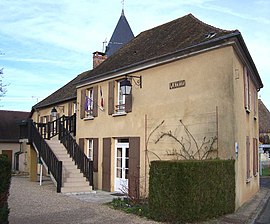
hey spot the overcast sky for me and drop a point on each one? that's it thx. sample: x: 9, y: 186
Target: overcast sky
x: 46, y: 43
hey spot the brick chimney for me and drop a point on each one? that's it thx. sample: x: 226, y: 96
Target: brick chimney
x: 98, y: 58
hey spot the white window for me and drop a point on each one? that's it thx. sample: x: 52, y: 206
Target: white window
x: 74, y: 108
x: 89, y: 102
x: 89, y: 150
x: 121, y: 99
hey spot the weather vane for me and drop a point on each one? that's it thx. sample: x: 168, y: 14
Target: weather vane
x: 123, y: 4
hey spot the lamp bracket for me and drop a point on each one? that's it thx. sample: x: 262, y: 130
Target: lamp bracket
x: 136, y: 79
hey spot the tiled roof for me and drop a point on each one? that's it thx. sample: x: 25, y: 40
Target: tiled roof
x: 65, y: 93
x: 122, y: 34
x: 9, y: 125
x: 175, y: 36
x: 180, y: 36
x: 264, y: 118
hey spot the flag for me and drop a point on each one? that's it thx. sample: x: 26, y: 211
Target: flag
x: 87, y: 103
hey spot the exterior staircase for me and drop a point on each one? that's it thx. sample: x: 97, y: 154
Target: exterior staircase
x: 73, y: 179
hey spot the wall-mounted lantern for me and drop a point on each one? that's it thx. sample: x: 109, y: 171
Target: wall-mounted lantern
x: 54, y: 112
x: 125, y: 85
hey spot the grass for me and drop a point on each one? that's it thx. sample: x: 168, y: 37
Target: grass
x: 139, y: 208
x: 266, y: 171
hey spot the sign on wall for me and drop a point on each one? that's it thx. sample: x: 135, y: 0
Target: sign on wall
x: 177, y: 84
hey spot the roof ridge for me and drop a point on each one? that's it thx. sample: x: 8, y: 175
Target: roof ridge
x: 206, y: 24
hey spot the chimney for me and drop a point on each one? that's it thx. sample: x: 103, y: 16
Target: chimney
x: 98, y: 58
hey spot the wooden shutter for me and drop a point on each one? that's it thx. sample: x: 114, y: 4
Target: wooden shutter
x: 81, y: 144
x: 106, y: 165
x: 255, y: 156
x: 248, y: 157
x: 245, y: 88
x: 255, y: 102
x: 134, y: 167
x: 95, y: 101
x: 82, y: 112
x: 95, y: 154
x: 111, y: 98
x: 128, y: 103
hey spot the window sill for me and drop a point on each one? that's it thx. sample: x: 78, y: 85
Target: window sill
x: 119, y: 114
x: 256, y: 174
x: 248, y: 180
x: 247, y: 110
x: 88, y: 118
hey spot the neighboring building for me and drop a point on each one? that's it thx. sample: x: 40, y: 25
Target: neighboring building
x: 194, y: 94
x: 9, y: 138
x: 264, y: 123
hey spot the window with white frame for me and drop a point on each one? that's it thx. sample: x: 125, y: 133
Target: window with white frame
x: 89, y: 102
x: 74, y: 107
x: 121, y: 99
x: 89, y: 149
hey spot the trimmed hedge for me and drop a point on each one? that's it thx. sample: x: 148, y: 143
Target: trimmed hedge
x: 5, y: 178
x: 189, y: 191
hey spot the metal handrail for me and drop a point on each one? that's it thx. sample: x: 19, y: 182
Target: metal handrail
x: 81, y: 160
x: 45, y: 152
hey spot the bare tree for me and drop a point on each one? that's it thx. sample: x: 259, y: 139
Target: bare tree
x: 3, y: 89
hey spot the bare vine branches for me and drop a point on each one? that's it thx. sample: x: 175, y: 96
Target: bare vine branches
x: 186, y: 151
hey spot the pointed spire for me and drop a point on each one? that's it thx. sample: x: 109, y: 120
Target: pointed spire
x: 121, y: 35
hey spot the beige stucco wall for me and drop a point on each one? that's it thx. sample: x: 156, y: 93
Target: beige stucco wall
x: 246, y: 124
x: 210, y: 104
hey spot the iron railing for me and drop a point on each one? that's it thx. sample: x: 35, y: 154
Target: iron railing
x: 29, y: 130
x: 81, y: 160
x: 51, y: 129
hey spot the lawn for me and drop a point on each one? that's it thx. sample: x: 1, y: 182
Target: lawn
x: 266, y: 171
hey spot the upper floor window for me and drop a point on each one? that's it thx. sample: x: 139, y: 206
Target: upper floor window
x: 89, y: 103
x: 247, y: 92
x: 117, y: 102
x: 120, y: 106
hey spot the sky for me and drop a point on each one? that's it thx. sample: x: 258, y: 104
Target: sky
x: 46, y: 43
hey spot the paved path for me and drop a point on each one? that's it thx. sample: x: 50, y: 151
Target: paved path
x: 264, y: 217
x: 30, y: 204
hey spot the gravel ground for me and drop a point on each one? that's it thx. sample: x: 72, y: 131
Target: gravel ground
x: 30, y: 203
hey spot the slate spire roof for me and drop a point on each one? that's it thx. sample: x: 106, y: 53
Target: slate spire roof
x: 122, y: 34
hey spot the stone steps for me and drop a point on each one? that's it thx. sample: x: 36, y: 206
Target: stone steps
x: 73, y: 179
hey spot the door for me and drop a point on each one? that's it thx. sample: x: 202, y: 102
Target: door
x: 8, y: 153
x: 121, y: 167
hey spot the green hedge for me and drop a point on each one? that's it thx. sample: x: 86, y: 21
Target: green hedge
x: 189, y: 191
x: 5, y: 178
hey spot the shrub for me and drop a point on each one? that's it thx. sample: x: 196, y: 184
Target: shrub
x: 5, y: 178
x: 188, y: 191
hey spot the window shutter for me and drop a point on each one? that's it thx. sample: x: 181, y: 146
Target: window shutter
x: 111, y: 98
x: 134, y: 167
x: 248, y: 156
x: 82, y: 112
x: 254, y: 157
x: 106, y: 165
x: 128, y: 103
x: 95, y: 103
x: 255, y: 102
x: 95, y: 154
x: 81, y: 144
x: 245, y: 88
